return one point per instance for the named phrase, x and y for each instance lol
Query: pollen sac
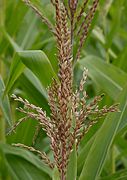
(73, 4)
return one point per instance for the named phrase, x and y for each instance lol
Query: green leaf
(103, 140)
(5, 104)
(39, 64)
(83, 154)
(24, 133)
(121, 175)
(72, 166)
(3, 167)
(123, 123)
(35, 92)
(11, 41)
(23, 165)
(17, 67)
(105, 75)
(115, 23)
(56, 175)
(30, 84)
(26, 35)
(85, 150)
(121, 61)
(2, 13)
(24, 170)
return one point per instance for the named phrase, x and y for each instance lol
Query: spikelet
(73, 4)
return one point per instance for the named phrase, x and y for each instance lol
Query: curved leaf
(36, 61)
(103, 141)
(23, 165)
(39, 64)
(24, 170)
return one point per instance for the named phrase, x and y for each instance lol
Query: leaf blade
(38, 63)
(102, 142)
(13, 152)
(72, 166)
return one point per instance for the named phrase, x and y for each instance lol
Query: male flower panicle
(72, 115)
(60, 127)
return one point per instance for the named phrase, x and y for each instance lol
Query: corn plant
(72, 113)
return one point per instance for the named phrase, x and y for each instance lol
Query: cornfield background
(27, 72)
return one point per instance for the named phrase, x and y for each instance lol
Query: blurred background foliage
(25, 73)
